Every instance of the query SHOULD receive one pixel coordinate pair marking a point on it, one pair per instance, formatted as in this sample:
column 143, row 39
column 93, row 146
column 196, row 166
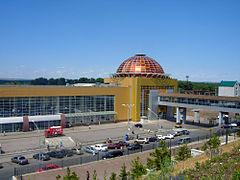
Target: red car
column 123, row 143
column 48, row 167
column 114, row 146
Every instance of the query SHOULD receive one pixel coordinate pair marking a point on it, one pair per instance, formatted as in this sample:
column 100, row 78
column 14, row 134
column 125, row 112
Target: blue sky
column 75, row 38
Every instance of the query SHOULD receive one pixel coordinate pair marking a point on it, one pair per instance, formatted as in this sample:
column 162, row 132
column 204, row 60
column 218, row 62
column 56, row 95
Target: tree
column 183, row 153
column 159, row 155
column 94, row 174
column 123, row 174
column 39, row 81
column 113, row 176
column 105, row 175
column 214, row 142
column 137, row 169
column 69, row 176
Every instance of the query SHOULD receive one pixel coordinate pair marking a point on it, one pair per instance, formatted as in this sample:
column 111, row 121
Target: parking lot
column 98, row 134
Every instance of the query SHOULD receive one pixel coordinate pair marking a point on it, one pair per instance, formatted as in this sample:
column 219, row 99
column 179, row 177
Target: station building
column 125, row 95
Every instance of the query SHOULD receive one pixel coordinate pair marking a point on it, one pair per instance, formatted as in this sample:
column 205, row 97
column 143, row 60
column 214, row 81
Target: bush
column 183, row 153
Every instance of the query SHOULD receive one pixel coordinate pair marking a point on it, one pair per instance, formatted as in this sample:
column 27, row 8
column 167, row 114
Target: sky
column 91, row 38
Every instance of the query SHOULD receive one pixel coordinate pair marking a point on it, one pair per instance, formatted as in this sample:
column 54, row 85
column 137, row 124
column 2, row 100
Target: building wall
column 121, row 94
column 136, row 83
column 226, row 91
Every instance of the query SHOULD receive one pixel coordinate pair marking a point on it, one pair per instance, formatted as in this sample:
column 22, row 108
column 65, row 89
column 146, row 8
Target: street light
column 129, row 106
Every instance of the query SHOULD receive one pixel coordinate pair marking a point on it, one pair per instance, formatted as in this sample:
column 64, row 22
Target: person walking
column 87, row 175
column 48, row 147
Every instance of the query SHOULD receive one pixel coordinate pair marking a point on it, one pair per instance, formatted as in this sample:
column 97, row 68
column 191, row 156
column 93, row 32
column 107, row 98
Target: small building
column 229, row 88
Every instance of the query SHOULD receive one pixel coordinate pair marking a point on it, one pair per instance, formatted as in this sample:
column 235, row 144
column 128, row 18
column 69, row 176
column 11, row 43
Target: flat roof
column 206, row 97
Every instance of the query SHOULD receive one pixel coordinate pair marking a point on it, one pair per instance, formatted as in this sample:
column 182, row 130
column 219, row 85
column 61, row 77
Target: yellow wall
column 121, row 94
column 136, row 84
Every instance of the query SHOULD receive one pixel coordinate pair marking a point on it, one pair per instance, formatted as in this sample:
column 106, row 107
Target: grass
column 190, row 163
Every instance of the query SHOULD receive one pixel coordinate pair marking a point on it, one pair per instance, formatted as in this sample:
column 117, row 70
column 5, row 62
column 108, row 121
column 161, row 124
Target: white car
column 142, row 140
column 169, row 136
column 100, row 147
column 233, row 124
column 160, row 137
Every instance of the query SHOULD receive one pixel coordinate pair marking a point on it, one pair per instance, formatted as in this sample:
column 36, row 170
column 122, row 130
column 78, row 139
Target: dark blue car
column 138, row 125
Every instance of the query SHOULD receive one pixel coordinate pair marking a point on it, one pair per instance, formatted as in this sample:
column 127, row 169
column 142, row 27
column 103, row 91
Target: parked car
column 134, row 146
column 169, row 136
column 177, row 133
column 77, row 150
column 100, row 147
column 161, row 137
column 153, row 139
column 66, row 152
column 114, row 146
column 226, row 126
column 185, row 132
column 184, row 140
column 138, row 125
column 42, row 156
column 55, row 154
column 178, row 125
column 142, row 140
column 238, row 123
column 90, row 149
column 48, row 167
column 19, row 160
column 123, row 143
column 112, row 154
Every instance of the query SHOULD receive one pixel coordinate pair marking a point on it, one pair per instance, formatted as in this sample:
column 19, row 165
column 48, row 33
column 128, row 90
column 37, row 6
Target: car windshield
column 21, row 158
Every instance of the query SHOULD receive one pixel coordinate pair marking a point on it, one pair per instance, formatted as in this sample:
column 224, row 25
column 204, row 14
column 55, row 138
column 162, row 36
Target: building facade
column 229, row 88
column 24, row 108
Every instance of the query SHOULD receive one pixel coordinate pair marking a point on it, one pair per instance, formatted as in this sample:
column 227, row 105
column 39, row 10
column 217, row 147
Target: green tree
column 70, row 176
column 113, row 176
column 123, row 172
column 159, row 156
column 94, row 174
column 39, row 81
column 183, row 153
column 137, row 169
column 105, row 175
column 52, row 81
column 214, row 142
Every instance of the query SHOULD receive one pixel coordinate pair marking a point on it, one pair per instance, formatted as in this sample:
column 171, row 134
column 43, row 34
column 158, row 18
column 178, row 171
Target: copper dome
column 140, row 63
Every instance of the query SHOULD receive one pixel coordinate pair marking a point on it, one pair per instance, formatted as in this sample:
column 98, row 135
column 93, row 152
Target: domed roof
column 140, row 63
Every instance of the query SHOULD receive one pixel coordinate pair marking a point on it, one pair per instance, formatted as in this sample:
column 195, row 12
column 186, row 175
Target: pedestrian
column 133, row 132
column 4, row 133
column 48, row 147
column 137, row 136
column 87, row 175
column 89, row 127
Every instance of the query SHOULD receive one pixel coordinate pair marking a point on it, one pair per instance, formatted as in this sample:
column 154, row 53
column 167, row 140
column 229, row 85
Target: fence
column 90, row 158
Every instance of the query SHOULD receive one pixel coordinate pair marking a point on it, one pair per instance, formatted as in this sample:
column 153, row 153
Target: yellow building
column 142, row 74
column 24, row 107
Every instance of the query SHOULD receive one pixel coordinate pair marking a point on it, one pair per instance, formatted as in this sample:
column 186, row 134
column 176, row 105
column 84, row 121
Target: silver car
column 77, row 150
column 90, row 149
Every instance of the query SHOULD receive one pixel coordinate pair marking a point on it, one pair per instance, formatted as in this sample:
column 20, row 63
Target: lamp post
column 129, row 106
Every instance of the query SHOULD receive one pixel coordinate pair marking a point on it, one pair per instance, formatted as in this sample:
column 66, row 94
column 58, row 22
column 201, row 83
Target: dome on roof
column 140, row 63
